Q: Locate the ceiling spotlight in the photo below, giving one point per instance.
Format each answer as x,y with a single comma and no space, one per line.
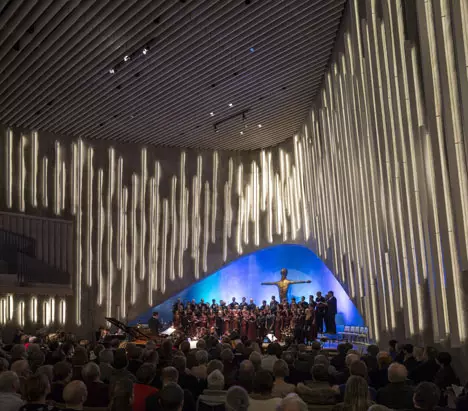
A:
145,51
111,71
241,133
211,114
126,58
230,104
251,49
259,126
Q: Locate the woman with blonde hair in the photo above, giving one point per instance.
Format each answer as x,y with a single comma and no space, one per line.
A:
356,397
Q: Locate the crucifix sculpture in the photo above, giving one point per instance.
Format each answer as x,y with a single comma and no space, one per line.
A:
284,283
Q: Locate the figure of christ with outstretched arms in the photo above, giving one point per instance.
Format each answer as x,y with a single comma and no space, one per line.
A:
284,283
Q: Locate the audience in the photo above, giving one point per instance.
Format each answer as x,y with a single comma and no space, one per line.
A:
121,367
106,359
36,390
122,395
75,395
10,400
214,397
292,402
269,360
280,387
318,392
261,398
237,399
410,362
199,370
428,369
142,389
356,396
98,392
426,397
397,394
62,376
171,398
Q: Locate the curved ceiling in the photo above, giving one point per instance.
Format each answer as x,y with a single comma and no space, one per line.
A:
265,57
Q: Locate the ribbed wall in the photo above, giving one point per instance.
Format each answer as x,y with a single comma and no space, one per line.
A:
375,182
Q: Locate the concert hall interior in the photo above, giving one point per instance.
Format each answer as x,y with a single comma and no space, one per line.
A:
196,149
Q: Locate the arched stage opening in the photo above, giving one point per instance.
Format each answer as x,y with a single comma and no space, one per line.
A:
243,278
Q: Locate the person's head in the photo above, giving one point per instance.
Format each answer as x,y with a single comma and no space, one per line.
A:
292,402
155,314
201,345
444,359
214,365
62,371
226,356
430,353
373,350
146,373
280,369
284,273
358,368
9,382
288,356
35,359
350,358
322,360
169,375
106,357
356,392
316,346
233,299
342,349
202,357
75,394
171,397
426,396
36,388
120,359
21,368
331,293
397,373
91,372
4,364
184,347
263,382
408,349
68,349
418,353
122,395
215,380
392,345
237,399
271,350
319,373
134,352
18,351
48,371
246,368
180,364
383,359
251,300
319,294
256,359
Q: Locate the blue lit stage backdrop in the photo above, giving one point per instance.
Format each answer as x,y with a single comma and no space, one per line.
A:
242,278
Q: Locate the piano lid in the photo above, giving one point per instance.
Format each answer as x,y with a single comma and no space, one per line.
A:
134,332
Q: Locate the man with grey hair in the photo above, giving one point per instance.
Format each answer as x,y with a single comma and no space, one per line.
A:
256,360
10,400
98,392
317,392
397,394
199,370
292,402
237,399
280,387
214,395
106,359
246,375
170,376
75,394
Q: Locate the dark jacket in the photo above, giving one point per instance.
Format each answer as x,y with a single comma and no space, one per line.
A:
411,364
397,395
152,402
98,394
424,372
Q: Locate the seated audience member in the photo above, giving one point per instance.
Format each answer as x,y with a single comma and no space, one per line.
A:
256,359
292,402
4,364
170,375
342,377
165,353
10,400
120,367
237,399
122,395
418,353
280,387
134,358
62,376
142,389
214,365
74,395
36,390
35,359
356,397
359,369
246,375
370,358
268,361
199,370
261,398
98,392
379,378
171,398
397,394
214,397
446,375
428,369
392,349
106,359
230,367
48,371
323,360
18,352
410,362
186,380
22,370
338,361
317,392
80,358
426,397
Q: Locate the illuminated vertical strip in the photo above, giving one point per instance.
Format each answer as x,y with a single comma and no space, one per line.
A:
45,193
3,311
33,309
34,167
152,269
52,309
21,318
143,182
46,313
225,220
11,307
9,168
247,208
182,215
240,219
206,225
255,203
74,166
157,219
264,166
124,273
110,230
79,227
186,215
100,235
302,177
133,239
279,205
229,196
173,207
194,214
165,231
214,205
57,179
22,173
120,211
63,312
271,189
64,185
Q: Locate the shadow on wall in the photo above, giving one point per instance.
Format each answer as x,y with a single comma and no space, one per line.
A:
242,278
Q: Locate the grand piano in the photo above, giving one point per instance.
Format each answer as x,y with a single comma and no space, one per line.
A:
133,334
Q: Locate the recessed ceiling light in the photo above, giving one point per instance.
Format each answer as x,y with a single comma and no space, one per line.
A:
252,49
145,51
211,114
241,133
230,104
259,126
126,58
112,71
